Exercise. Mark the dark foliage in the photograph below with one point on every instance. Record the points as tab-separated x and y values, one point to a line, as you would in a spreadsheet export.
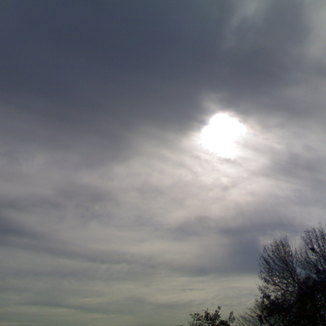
293	291
207	318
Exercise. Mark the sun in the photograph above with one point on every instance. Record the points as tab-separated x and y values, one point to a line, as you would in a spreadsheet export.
222	134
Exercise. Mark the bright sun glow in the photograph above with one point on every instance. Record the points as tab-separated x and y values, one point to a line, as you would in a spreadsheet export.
221	135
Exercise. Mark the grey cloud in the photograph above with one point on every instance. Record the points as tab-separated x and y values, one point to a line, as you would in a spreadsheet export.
232	244
109	210
80	61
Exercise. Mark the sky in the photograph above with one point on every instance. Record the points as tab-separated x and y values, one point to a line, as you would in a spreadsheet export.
112	212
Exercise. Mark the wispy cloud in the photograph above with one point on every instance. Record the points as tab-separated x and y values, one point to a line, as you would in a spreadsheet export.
110	210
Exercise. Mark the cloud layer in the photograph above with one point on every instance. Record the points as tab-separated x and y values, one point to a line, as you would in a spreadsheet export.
110	211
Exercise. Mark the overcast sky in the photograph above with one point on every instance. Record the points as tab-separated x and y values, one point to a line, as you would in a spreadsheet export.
111	211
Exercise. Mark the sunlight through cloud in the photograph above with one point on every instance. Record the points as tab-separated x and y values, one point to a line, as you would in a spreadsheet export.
221	134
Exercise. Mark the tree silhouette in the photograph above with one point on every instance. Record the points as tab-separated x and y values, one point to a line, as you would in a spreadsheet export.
293	290
207	318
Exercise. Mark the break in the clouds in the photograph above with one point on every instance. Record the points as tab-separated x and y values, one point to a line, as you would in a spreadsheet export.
111	211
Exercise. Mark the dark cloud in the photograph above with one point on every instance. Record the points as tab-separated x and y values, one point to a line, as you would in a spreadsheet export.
9	228
71	64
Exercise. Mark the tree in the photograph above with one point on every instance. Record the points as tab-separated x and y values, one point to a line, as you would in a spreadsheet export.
207	318
293	290
249	318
